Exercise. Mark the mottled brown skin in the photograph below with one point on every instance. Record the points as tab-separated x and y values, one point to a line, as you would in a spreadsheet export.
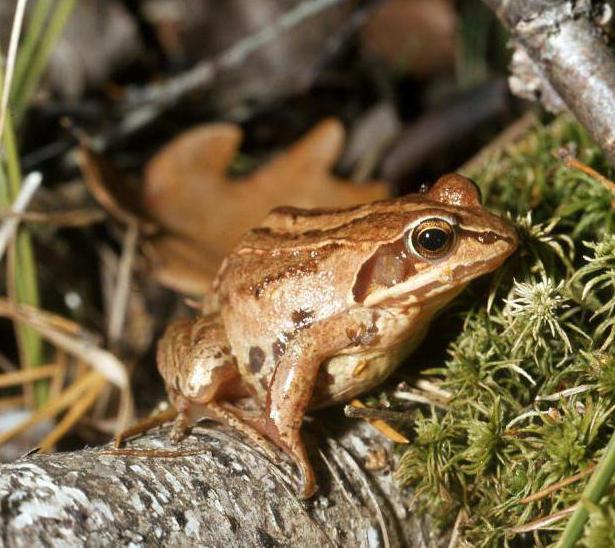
317	306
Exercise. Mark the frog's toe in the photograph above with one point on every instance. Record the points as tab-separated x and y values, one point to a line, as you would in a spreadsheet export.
308	481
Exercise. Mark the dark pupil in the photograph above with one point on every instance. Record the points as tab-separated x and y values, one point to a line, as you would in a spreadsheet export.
433	239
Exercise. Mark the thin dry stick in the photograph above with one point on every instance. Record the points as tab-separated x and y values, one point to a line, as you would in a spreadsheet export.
72	416
119	303
572	163
57	381
12	402
371	413
28	375
557	486
70	395
543	523
205	72
20	10
380	425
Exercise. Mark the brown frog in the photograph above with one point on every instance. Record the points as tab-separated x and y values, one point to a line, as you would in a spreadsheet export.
314	307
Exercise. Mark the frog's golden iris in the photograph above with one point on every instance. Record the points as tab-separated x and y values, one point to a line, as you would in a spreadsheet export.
432	238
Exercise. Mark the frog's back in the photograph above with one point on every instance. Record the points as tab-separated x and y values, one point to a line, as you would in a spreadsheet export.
288	273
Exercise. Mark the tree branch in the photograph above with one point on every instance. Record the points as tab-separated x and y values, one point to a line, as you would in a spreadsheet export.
219	492
568	51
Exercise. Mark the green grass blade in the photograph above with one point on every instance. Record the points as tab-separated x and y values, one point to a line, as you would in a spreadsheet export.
593	492
28	48
35	69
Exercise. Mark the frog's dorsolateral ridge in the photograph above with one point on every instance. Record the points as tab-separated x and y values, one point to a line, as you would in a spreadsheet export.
316	306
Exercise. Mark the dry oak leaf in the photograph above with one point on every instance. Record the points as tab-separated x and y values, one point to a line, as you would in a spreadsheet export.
202	213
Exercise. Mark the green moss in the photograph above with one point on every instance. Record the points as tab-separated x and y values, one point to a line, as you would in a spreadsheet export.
532	371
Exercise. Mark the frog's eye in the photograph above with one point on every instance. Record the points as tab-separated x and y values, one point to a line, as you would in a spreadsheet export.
432	238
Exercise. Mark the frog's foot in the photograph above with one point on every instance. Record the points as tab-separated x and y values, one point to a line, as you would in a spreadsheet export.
241	422
222	413
291	444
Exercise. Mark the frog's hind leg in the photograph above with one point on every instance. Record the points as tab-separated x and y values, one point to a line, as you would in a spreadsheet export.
201	375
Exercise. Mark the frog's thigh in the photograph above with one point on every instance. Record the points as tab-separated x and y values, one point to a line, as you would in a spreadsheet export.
195	361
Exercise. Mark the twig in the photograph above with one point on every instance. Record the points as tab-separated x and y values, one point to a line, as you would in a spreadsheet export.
10	61
205	72
119	303
544	522
143	105
23	376
371	413
8	228
381	425
557	486
572	163
77	411
508	136
568	49
455	536
435	130
54	407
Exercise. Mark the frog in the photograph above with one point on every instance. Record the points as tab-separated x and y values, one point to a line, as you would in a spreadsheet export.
315	307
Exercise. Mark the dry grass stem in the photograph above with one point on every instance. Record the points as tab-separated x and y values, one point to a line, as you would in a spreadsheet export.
52	328
543	523
28	375
58	380
70	395
556	486
12	402
431	387
119	303
73	415
572	163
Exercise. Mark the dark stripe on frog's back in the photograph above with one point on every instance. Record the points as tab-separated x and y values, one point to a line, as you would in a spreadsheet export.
382	225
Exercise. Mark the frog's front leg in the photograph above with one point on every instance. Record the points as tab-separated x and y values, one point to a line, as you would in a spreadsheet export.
292	385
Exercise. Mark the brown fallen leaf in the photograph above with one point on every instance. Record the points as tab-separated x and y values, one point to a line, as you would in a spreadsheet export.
201	213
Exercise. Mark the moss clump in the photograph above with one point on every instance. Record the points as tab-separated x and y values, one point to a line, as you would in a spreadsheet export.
532	371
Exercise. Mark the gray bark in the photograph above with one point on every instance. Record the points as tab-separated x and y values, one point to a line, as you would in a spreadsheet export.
570	55
223	493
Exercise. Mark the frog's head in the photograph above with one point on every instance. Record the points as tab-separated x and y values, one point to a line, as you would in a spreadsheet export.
447	239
